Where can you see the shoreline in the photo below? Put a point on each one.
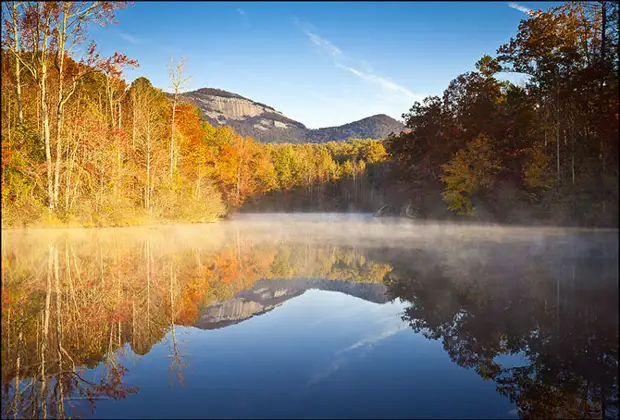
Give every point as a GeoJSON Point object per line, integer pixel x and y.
{"type": "Point", "coordinates": [330, 217]}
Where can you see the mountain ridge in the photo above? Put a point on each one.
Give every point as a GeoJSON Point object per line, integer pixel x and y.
{"type": "Point", "coordinates": [267, 295]}
{"type": "Point", "coordinates": [268, 125]}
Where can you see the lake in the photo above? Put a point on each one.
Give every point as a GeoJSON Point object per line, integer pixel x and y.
{"type": "Point", "coordinates": [319, 315]}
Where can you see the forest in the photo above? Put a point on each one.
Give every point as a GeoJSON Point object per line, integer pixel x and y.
{"type": "Point", "coordinates": [546, 150]}
{"type": "Point", "coordinates": [81, 146]}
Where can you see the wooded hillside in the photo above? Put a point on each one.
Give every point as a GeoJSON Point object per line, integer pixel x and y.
{"type": "Point", "coordinates": [546, 150]}
{"type": "Point", "coordinates": [81, 146]}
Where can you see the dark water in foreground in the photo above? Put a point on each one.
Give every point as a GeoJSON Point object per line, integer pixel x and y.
{"type": "Point", "coordinates": [310, 316]}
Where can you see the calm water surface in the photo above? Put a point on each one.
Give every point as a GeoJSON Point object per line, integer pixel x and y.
{"type": "Point", "coordinates": [310, 316]}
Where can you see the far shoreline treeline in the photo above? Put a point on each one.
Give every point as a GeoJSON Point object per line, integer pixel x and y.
{"type": "Point", "coordinates": [81, 147]}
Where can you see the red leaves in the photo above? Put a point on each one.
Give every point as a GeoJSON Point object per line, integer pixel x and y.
{"type": "Point", "coordinates": [6, 299]}
{"type": "Point", "coordinates": [113, 66]}
{"type": "Point", "coordinates": [90, 50]}
{"type": "Point", "coordinates": [7, 154]}
{"type": "Point", "coordinates": [118, 132]}
{"type": "Point", "coordinates": [92, 56]}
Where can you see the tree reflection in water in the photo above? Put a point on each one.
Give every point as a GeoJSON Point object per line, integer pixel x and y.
{"type": "Point", "coordinates": [553, 307]}
{"type": "Point", "coordinates": [71, 302]}
{"type": "Point", "coordinates": [47, 340]}
{"type": "Point", "coordinates": [72, 305]}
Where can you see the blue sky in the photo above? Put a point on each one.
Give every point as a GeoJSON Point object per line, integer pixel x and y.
{"type": "Point", "coordinates": [322, 64]}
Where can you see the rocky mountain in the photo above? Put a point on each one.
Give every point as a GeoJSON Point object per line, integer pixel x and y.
{"type": "Point", "coordinates": [375, 127]}
{"type": "Point", "coordinates": [269, 294]}
{"type": "Point", "coordinates": [267, 125]}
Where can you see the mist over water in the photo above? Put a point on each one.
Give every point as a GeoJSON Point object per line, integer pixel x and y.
{"type": "Point", "coordinates": [299, 315]}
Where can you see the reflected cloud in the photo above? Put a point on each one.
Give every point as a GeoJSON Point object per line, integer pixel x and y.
{"type": "Point", "coordinates": [373, 339]}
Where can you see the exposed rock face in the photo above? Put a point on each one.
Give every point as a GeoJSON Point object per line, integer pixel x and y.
{"type": "Point", "coordinates": [223, 106]}
{"type": "Point", "coordinates": [265, 124]}
{"type": "Point", "coordinates": [222, 314]}
{"type": "Point", "coordinates": [236, 109]}
{"type": "Point", "coordinates": [269, 294]}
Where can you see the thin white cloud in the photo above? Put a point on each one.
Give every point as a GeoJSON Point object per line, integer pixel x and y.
{"type": "Point", "coordinates": [380, 81]}
{"type": "Point", "coordinates": [520, 8]}
{"type": "Point", "coordinates": [130, 38]}
{"type": "Point", "coordinates": [395, 91]}
{"type": "Point", "coordinates": [366, 66]}
{"type": "Point", "coordinates": [244, 16]}
{"type": "Point", "coordinates": [323, 43]}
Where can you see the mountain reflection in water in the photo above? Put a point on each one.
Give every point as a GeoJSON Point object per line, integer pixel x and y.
{"type": "Point", "coordinates": [324, 307]}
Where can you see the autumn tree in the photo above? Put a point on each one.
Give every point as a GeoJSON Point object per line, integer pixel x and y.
{"type": "Point", "coordinates": [177, 82]}
{"type": "Point", "coordinates": [470, 170]}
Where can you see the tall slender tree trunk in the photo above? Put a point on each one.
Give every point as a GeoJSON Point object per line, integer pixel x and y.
{"type": "Point", "coordinates": [133, 119]}
{"type": "Point", "coordinates": [60, 411]}
{"type": "Point", "coordinates": [557, 130]}
{"type": "Point", "coordinates": [604, 74]}
{"type": "Point", "coordinates": [198, 182]}
{"type": "Point", "coordinates": [174, 108]}
{"type": "Point", "coordinates": [120, 151]}
{"type": "Point", "coordinates": [120, 113]}
{"type": "Point", "coordinates": [69, 173]}
{"type": "Point", "coordinates": [17, 369]}
{"type": "Point", "coordinates": [46, 319]}
{"type": "Point", "coordinates": [119, 170]}
{"type": "Point", "coordinates": [148, 289]}
{"type": "Point", "coordinates": [60, 105]}
{"type": "Point", "coordinates": [18, 84]}
{"type": "Point", "coordinates": [133, 322]}
{"type": "Point", "coordinates": [172, 320]}
{"type": "Point", "coordinates": [238, 184]}
{"type": "Point", "coordinates": [46, 136]}
{"type": "Point", "coordinates": [148, 162]}
{"type": "Point", "coordinates": [177, 80]}
{"type": "Point", "coordinates": [603, 40]}
{"type": "Point", "coordinates": [572, 166]}
{"type": "Point", "coordinates": [39, 127]}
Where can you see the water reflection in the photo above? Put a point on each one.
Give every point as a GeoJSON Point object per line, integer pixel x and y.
{"type": "Point", "coordinates": [76, 305]}
{"type": "Point", "coordinates": [556, 309]}
{"type": "Point", "coordinates": [71, 301]}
